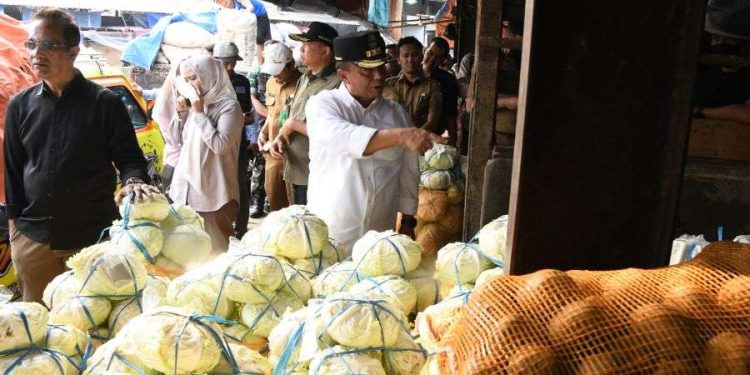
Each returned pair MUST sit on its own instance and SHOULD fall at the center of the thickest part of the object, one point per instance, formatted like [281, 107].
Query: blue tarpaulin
[142, 51]
[379, 12]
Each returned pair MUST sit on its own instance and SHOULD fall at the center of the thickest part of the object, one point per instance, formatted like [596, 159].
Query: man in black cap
[362, 147]
[317, 55]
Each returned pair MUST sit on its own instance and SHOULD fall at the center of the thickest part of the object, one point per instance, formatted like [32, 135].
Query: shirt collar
[402, 78]
[325, 73]
[77, 81]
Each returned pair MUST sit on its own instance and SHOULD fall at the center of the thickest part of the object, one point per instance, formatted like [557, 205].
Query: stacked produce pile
[693, 318]
[440, 210]
[31, 345]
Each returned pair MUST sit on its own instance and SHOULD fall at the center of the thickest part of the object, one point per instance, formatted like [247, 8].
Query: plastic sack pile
[693, 318]
[440, 210]
[32, 345]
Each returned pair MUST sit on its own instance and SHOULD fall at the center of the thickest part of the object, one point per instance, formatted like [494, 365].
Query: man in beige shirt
[278, 63]
[292, 141]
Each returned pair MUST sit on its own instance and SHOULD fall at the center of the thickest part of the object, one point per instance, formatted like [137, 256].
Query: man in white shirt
[363, 148]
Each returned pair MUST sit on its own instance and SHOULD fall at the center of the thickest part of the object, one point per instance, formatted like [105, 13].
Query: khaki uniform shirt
[278, 97]
[297, 167]
[420, 98]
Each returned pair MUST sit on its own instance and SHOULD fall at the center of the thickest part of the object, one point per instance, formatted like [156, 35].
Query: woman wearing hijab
[205, 176]
[170, 107]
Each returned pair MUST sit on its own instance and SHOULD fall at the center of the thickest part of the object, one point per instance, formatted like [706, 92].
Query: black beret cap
[363, 48]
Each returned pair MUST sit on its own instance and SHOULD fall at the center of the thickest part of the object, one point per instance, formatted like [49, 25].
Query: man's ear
[74, 51]
[341, 73]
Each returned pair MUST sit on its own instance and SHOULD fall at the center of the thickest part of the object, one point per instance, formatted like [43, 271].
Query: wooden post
[602, 132]
[481, 131]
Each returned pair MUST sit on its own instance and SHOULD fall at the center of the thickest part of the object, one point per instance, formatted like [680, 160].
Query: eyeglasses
[32, 44]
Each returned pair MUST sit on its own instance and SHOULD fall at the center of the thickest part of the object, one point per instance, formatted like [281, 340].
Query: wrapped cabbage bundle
[295, 233]
[311, 267]
[426, 287]
[254, 240]
[68, 340]
[393, 289]
[61, 288]
[182, 214]
[435, 179]
[187, 245]
[261, 318]
[38, 362]
[488, 275]
[107, 272]
[360, 322]
[155, 207]
[115, 357]
[15, 317]
[170, 342]
[337, 278]
[492, 240]
[460, 263]
[311, 330]
[440, 157]
[199, 294]
[81, 312]
[386, 253]
[141, 237]
[247, 361]
[344, 360]
[239, 333]
[296, 284]
[405, 357]
[253, 278]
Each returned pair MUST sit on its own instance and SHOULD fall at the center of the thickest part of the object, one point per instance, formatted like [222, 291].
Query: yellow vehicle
[146, 129]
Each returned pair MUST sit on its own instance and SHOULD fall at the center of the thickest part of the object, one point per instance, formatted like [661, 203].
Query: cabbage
[337, 278]
[296, 284]
[200, 296]
[436, 180]
[488, 275]
[187, 245]
[155, 293]
[140, 233]
[182, 214]
[37, 362]
[312, 338]
[171, 342]
[115, 357]
[334, 252]
[67, 340]
[261, 318]
[460, 263]
[295, 233]
[361, 322]
[154, 208]
[440, 157]
[81, 312]
[107, 272]
[492, 239]
[240, 334]
[311, 267]
[253, 278]
[426, 286]
[248, 361]
[408, 360]
[386, 253]
[13, 329]
[123, 312]
[254, 240]
[62, 287]
[394, 289]
[168, 265]
[342, 360]
[456, 291]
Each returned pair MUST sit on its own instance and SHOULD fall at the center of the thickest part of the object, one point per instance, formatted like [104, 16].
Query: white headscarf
[213, 77]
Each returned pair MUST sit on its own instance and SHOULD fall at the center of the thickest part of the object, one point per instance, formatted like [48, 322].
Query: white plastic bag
[686, 247]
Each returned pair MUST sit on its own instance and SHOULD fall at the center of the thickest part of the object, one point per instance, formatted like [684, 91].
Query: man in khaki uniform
[292, 141]
[419, 94]
[278, 63]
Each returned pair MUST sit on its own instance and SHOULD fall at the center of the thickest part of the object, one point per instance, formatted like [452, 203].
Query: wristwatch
[133, 180]
[409, 221]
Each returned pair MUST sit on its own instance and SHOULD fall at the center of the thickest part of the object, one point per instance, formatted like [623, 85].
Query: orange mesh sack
[693, 318]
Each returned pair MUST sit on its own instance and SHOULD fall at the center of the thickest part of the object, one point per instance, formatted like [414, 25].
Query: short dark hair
[63, 21]
[409, 40]
[441, 43]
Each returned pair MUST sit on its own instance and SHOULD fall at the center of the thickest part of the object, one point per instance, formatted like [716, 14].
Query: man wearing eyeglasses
[362, 147]
[62, 137]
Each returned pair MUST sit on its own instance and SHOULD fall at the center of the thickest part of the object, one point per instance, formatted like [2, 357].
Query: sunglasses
[32, 44]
